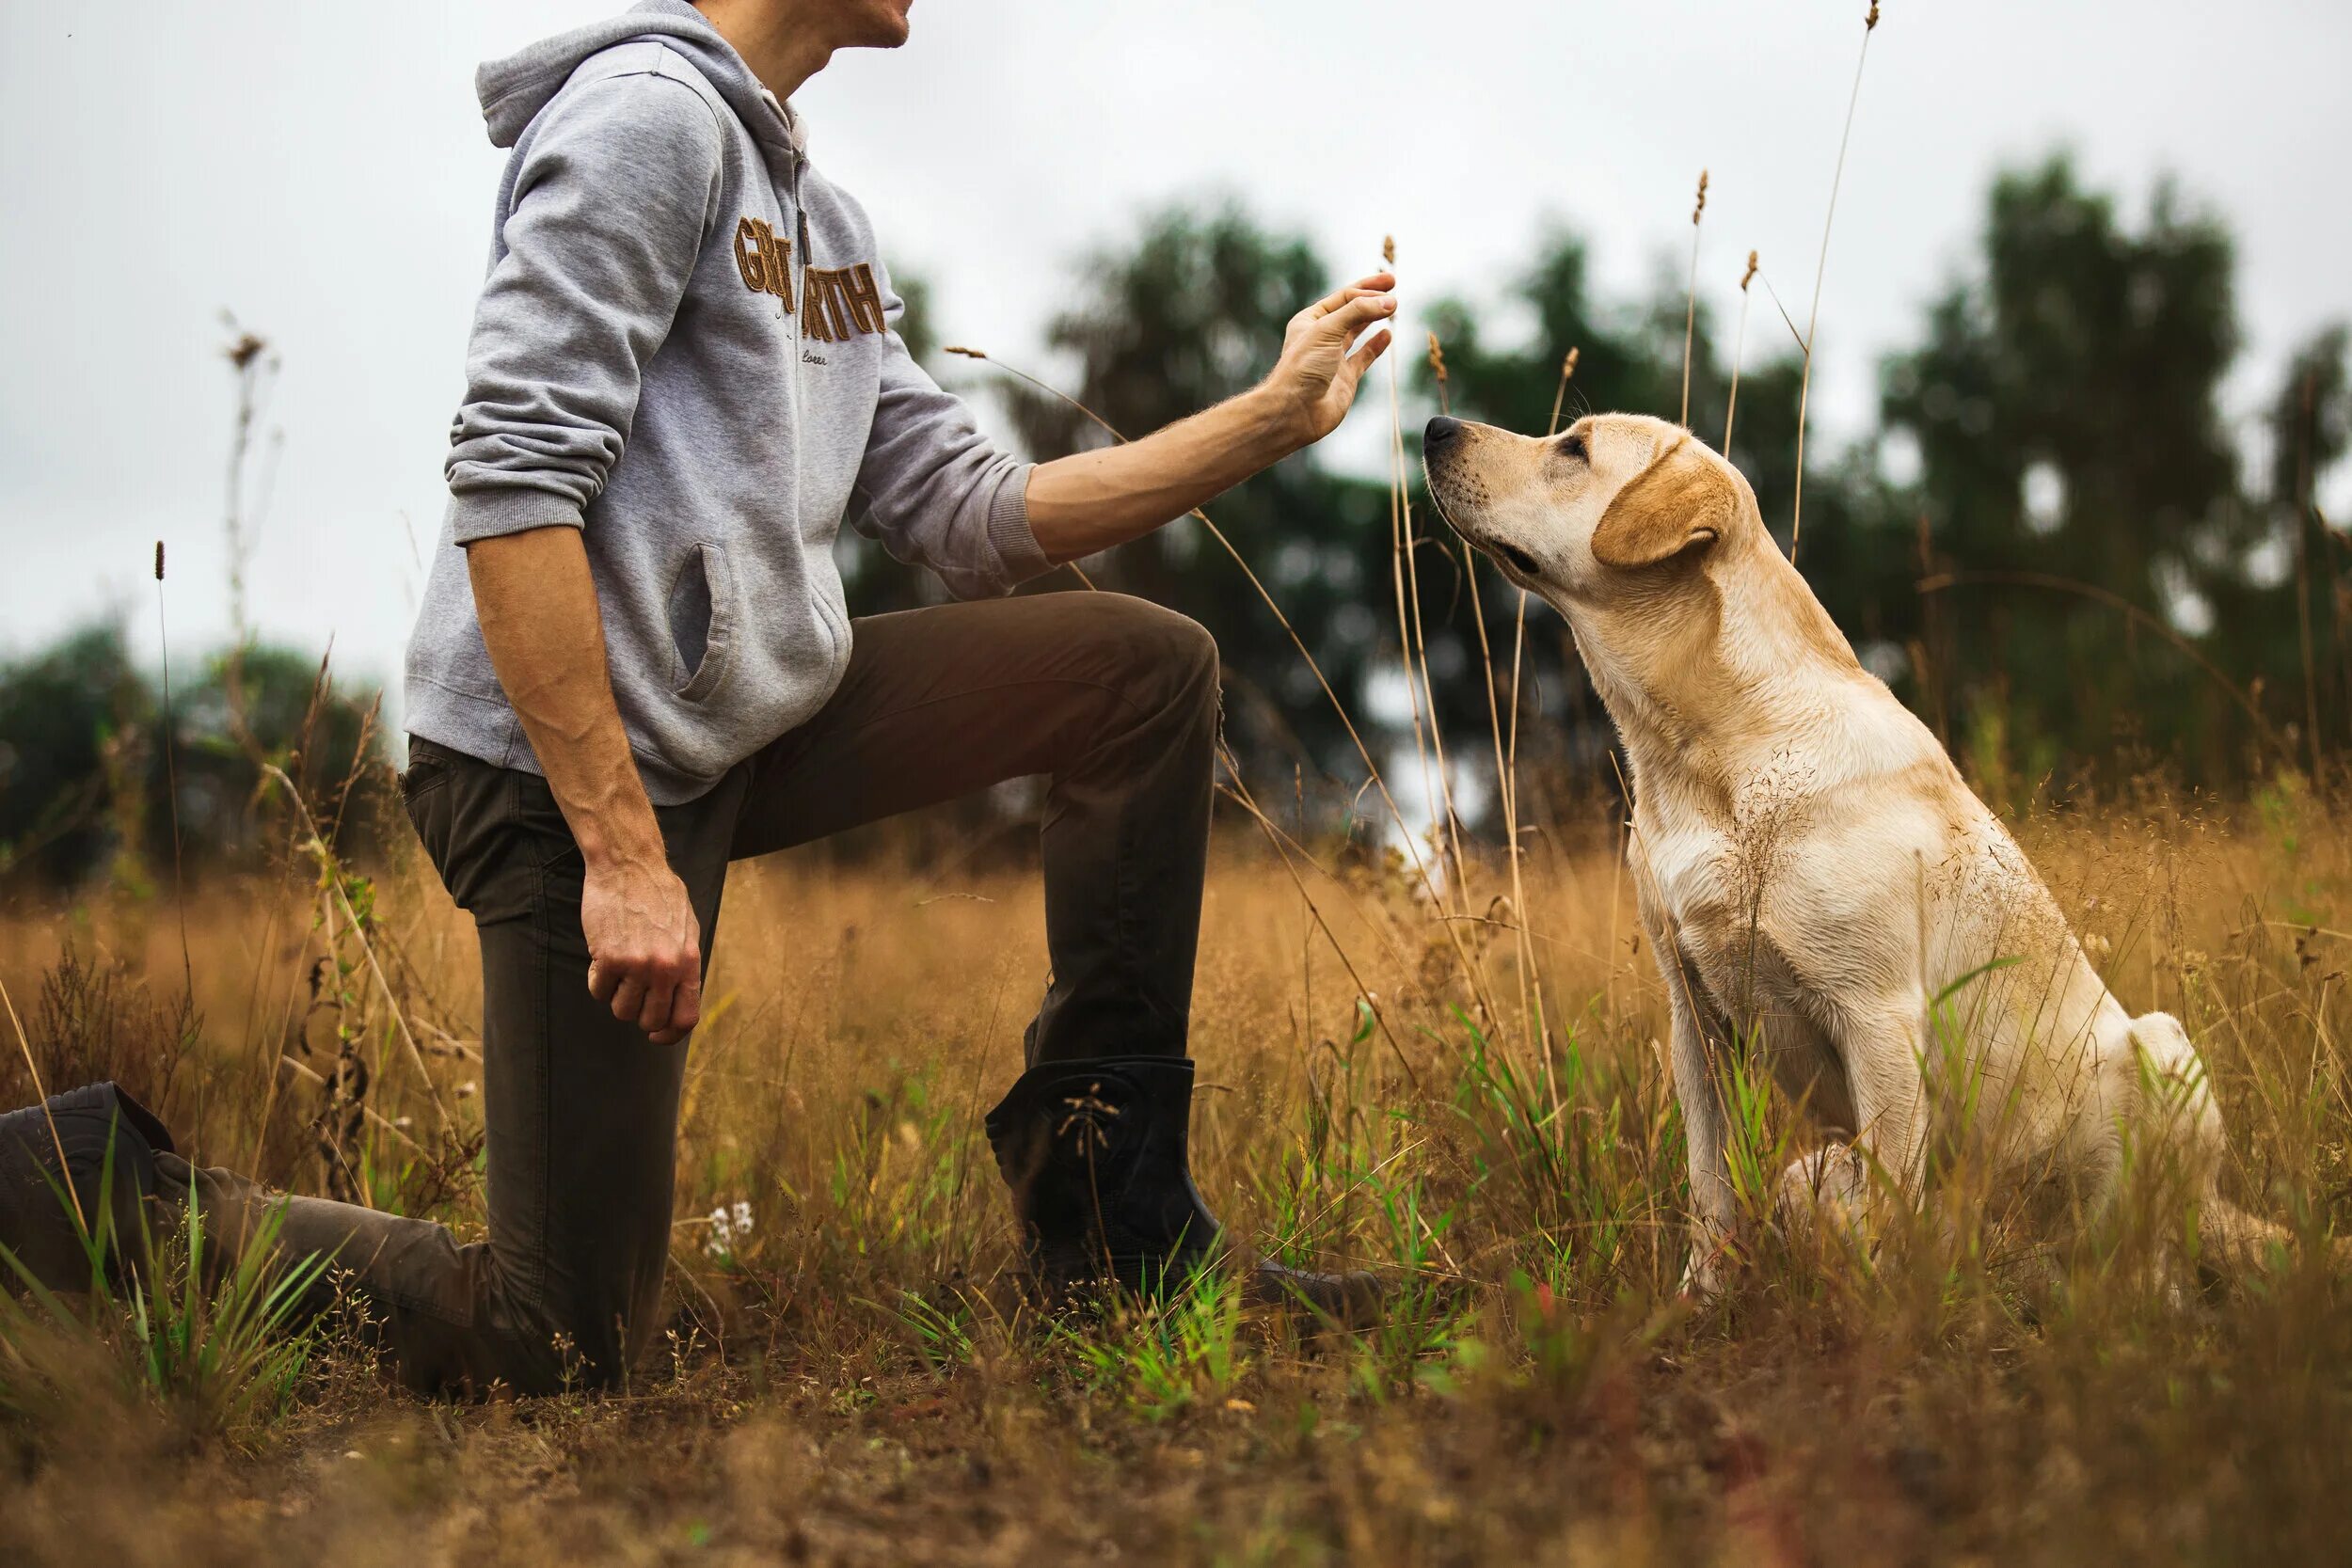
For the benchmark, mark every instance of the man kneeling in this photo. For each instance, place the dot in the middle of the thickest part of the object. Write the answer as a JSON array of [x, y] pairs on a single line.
[[633, 667]]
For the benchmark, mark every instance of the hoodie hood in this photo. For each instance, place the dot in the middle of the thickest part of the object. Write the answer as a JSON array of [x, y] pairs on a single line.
[[515, 90]]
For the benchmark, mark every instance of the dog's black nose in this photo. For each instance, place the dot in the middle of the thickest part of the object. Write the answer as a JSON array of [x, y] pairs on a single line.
[[1439, 432]]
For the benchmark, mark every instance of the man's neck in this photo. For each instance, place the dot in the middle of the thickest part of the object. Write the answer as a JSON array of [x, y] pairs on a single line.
[[781, 43]]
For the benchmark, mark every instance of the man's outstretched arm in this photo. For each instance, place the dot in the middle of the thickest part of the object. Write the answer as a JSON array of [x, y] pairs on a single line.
[[1092, 501]]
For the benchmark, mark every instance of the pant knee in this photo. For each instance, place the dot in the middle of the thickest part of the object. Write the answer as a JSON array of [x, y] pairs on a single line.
[[1193, 653], [1173, 660]]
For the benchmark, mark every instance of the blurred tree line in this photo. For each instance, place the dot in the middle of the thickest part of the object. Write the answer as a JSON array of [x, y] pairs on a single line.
[[109, 767], [89, 758], [2055, 546]]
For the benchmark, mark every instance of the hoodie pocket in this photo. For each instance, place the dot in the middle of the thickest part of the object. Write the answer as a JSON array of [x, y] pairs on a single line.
[[703, 622]]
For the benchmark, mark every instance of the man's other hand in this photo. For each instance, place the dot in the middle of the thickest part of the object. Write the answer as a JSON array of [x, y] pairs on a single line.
[[645, 950], [1316, 376]]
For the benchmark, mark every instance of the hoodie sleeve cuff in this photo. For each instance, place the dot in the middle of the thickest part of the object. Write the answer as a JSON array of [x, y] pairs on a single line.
[[503, 509], [1009, 530]]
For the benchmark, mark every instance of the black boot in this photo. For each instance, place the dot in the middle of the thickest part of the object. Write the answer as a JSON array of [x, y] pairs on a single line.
[[1095, 1153], [110, 1142]]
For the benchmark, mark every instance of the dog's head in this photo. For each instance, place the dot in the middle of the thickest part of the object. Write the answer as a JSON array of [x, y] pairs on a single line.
[[1619, 499]]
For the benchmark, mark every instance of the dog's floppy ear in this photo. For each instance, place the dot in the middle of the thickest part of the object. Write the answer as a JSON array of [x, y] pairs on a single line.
[[1679, 500]]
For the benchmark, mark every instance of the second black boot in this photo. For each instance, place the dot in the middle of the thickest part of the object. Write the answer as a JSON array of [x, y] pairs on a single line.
[[1097, 1155]]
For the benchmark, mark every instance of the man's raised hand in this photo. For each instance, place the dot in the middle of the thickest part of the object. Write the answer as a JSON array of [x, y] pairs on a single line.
[[1094, 499], [1317, 374]]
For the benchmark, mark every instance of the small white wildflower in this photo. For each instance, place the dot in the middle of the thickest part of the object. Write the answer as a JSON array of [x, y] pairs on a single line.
[[730, 1227]]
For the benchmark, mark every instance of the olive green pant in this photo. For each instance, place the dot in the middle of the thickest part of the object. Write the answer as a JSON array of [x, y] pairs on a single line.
[[1113, 699]]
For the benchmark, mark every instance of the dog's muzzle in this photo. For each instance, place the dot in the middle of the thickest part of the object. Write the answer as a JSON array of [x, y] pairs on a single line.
[[1440, 441]]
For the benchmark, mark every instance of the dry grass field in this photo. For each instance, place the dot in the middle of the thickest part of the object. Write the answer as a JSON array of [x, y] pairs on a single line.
[[849, 1375], [1443, 1065]]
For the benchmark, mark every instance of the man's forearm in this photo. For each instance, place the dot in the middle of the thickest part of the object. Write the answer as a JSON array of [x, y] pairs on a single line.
[[1092, 501], [537, 605]]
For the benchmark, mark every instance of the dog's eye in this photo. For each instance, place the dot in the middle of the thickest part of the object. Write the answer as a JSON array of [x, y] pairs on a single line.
[[1572, 445]]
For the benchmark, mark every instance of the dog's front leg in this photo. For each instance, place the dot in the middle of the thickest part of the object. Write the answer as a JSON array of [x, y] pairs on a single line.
[[1714, 1204], [1883, 1048], [1890, 1095]]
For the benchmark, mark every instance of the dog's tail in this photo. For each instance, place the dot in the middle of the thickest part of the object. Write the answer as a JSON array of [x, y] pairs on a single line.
[[2179, 1104], [2239, 1243]]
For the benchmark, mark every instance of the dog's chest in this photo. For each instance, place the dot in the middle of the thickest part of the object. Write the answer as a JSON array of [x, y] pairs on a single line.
[[1717, 891]]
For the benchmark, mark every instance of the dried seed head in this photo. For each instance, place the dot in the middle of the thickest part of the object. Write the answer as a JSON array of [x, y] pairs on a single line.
[[1748, 276], [1388, 250], [1437, 359], [1701, 206], [967, 353], [1567, 366], [1869, 23], [159, 561], [246, 349]]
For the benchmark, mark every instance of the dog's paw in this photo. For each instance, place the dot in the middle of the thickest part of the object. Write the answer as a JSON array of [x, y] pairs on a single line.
[[1707, 1271]]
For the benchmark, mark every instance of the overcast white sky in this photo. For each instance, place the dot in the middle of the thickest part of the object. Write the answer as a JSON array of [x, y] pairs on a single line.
[[322, 170]]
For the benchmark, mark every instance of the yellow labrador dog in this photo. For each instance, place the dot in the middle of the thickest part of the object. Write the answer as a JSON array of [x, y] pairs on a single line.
[[1808, 861]]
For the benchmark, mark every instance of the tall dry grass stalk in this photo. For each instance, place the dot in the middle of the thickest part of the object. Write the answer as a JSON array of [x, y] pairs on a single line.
[[335, 899], [1820, 268], [1428, 737], [1560, 394], [1690, 302], [1505, 757], [257, 368], [171, 773], [1739, 351], [1506, 764], [1400, 553], [2303, 570], [1507, 786]]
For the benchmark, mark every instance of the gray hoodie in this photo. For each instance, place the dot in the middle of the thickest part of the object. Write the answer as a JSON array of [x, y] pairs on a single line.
[[687, 349]]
